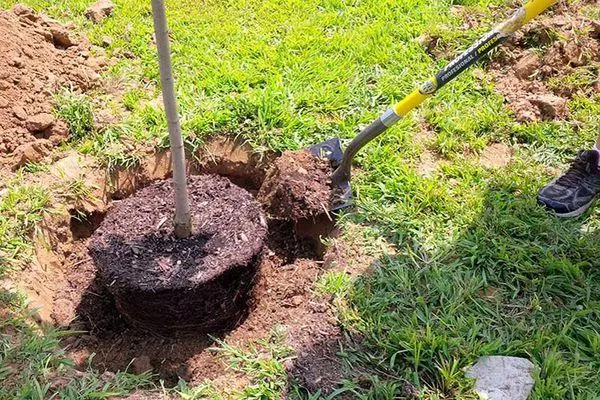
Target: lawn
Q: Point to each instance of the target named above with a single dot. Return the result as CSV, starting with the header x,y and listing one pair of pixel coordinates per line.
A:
x,y
465,262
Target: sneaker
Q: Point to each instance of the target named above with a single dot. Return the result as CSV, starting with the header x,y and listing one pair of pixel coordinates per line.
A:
x,y
572,193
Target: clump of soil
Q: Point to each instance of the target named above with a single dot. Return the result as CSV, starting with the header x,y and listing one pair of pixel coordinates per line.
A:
x,y
199,283
533,82
37,56
298,185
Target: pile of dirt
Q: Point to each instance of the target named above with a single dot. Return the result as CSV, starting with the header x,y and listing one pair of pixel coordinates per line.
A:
x,y
38,56
569,43
199,283
298,185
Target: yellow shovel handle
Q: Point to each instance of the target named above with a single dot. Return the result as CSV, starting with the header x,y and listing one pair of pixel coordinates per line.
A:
x,y
525,14
495,37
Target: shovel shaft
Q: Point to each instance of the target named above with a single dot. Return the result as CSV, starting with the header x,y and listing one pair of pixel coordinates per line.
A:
x,y
473,54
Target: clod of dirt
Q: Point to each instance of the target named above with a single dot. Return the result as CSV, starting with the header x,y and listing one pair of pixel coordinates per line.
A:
x,y
30,152
298,185
37,57
561,42
100,10
199,283
550,106
527,66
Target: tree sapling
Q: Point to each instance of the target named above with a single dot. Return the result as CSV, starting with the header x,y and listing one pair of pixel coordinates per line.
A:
x,y
182,221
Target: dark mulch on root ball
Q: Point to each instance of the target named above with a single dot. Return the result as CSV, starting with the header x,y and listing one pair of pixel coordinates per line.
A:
x,y
200,283
297,186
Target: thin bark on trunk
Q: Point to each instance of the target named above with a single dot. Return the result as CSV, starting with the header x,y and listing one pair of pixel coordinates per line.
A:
x,y
182,221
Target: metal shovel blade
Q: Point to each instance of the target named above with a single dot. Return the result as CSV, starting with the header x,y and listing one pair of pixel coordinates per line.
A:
x,y
332,150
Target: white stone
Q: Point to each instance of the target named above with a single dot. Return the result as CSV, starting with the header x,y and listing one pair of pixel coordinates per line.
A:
x,y
502,378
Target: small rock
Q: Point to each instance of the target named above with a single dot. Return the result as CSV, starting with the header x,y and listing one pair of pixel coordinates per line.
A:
x,y
317,307
550,106
63,311
30,152
60,36
99,10
527,66
39,122
560,20
106,41
496,155
502,378
97,63
59,382
4,102
141,364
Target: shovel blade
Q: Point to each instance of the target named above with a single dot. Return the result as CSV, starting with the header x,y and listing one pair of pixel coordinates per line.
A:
x,y
332,150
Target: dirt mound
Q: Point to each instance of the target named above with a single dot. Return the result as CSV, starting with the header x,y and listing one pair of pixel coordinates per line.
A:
x,y
298,185
532,69
37,57
200,282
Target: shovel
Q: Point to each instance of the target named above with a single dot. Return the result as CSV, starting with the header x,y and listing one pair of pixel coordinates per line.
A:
x,y
342,160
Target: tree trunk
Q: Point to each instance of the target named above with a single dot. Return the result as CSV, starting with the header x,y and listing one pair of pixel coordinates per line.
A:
x,y
182,221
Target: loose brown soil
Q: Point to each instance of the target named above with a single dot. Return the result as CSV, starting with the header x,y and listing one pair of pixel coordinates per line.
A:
x,y
569,43
199,283
37,57
298,185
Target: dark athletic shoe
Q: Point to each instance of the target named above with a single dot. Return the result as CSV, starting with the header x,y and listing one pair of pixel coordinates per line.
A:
x,y
572,193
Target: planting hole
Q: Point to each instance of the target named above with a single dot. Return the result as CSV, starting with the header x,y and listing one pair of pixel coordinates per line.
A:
x,y
276,290
83,224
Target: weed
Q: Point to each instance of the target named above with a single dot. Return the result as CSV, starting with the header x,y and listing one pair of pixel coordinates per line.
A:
x,y
22,208
262,364
111,148
76,110
132,99
34,168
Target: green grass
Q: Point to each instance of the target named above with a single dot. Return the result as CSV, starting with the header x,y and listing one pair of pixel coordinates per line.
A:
x,y
477,268
76,110
22,207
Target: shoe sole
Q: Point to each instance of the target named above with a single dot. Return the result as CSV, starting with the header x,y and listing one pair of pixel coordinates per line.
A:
x,y
575,213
